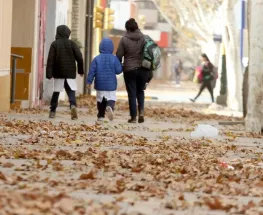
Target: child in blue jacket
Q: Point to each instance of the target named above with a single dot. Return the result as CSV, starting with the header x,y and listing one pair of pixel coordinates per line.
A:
x,y
104,69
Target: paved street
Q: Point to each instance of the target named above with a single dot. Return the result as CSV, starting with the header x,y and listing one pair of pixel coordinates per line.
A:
x,y
169,92
77,167
189,157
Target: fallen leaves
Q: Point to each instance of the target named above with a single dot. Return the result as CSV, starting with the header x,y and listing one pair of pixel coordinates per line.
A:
x,y
112,161
2,177
65,205
57,166
177,203
31,203
216,204
88,176
8,165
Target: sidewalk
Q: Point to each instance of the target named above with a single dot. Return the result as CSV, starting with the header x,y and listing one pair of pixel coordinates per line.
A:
x,y
154,168
166,91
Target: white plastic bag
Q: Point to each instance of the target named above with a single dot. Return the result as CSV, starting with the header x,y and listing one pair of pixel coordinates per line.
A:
x,y
205,131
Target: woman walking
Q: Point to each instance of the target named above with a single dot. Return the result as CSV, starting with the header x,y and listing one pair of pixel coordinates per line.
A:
x,y
207,77
136,77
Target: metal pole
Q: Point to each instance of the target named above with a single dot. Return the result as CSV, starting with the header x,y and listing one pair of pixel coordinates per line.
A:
x,y
91,10
86,47
88,41
13,85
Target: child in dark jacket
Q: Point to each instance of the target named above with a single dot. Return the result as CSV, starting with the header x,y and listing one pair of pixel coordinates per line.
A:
x,y
104,69
61,65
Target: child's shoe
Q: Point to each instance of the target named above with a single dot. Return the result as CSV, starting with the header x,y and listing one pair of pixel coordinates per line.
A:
x,y
74,113
109,113
100,121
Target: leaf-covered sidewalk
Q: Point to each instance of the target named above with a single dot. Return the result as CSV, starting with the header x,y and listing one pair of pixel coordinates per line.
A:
x,y
78,167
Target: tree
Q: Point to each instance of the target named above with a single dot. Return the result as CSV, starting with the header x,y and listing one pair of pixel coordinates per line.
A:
x,y
193,21
254,119
245,79
231,41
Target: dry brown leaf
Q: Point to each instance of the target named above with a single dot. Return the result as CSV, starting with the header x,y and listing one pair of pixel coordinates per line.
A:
x,y
57,166
250,205
8,165
2,177
88,176
216,204
65,205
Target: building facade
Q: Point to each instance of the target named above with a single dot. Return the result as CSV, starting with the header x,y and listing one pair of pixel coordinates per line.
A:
x,y
5,45
27,40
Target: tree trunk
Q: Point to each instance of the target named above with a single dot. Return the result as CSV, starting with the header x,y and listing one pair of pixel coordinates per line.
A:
x,y
246,75
245,92
234,71
254,119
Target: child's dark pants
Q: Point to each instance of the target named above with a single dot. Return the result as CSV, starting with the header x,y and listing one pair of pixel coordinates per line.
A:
x,y
102,107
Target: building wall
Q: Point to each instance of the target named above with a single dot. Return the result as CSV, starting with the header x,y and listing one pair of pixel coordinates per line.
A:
x,y
5,44
25,36
75,20
23,23
50,37
151,17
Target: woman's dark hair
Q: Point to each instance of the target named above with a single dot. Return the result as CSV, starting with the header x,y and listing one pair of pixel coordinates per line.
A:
x,y
205,56
131,25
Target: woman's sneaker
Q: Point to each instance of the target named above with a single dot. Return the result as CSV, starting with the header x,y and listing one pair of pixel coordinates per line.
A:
x,y
141,117
52,115
74,113
132,120
109,113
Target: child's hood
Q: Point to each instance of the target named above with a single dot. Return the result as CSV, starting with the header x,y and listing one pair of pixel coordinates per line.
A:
x,y
63,31
106,46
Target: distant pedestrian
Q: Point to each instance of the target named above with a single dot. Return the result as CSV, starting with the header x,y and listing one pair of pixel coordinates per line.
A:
x,y
104,69
135,76
61,65
178,70
207,77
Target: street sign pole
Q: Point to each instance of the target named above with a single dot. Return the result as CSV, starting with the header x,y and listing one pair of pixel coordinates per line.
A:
x,y
88,42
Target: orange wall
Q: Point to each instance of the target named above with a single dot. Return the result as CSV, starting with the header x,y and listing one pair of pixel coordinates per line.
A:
x,y
23,77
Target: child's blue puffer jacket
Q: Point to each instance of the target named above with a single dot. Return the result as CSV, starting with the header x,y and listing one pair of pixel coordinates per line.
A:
x,y
105,67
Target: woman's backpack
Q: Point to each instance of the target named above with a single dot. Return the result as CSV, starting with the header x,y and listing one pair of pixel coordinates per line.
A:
x,y
151,54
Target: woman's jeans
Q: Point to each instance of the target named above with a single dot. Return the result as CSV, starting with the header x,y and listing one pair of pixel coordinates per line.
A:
x,y
135,81
208,85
